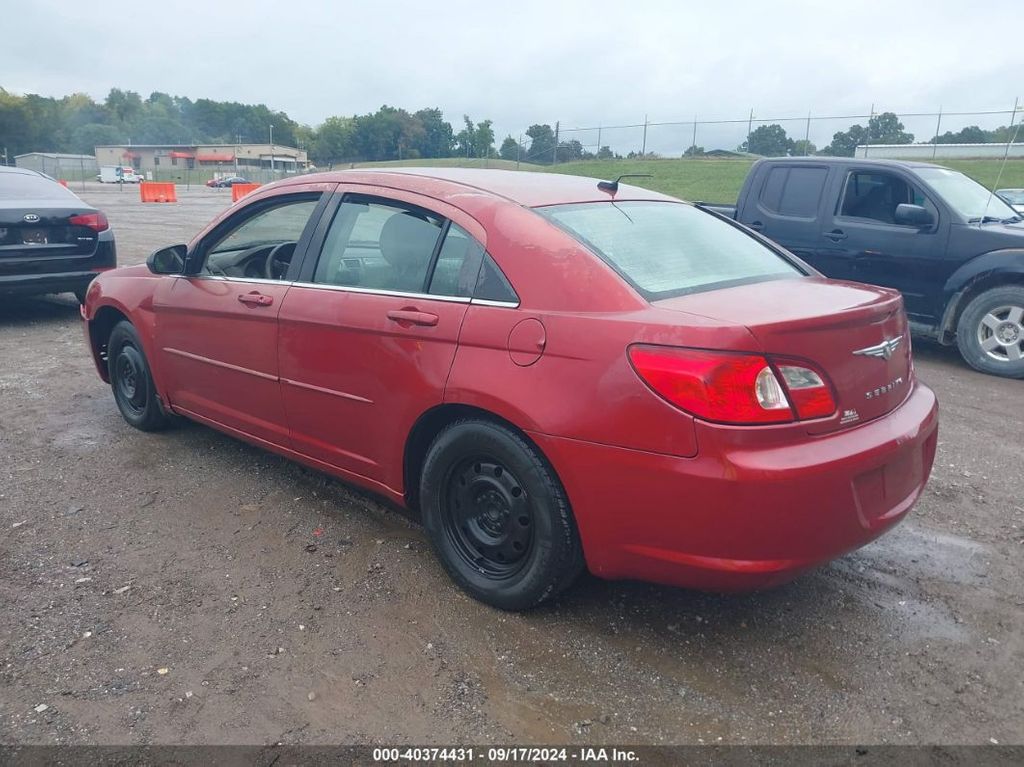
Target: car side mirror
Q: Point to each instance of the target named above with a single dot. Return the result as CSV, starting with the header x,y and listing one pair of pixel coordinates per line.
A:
x,y
912,215
169,260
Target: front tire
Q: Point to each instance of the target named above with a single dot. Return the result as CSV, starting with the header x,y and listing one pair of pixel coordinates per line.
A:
x,y
990,332
131,381
497,516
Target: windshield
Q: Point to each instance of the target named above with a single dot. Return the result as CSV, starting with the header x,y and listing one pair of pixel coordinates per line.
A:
x,y
665,249
966,196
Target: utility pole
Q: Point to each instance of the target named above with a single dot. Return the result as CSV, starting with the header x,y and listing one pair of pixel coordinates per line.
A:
x,y
807,134
519,148
554,149
750,127
643,147
935,142
271,147
694,144
598,141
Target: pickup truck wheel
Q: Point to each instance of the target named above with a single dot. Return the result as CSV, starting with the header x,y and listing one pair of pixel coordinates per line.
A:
x,y
131,381
497,516
990,333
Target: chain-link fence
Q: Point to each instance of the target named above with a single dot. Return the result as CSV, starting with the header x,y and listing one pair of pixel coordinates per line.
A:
x,y
809,132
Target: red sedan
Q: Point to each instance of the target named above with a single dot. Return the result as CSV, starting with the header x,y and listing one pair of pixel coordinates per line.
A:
x,y
556,373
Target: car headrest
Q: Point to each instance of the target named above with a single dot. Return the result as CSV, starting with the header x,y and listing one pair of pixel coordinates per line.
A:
x,y
406,240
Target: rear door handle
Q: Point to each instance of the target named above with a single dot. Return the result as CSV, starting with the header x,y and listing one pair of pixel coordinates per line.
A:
x,y
757,226
407,317
836,235
256,299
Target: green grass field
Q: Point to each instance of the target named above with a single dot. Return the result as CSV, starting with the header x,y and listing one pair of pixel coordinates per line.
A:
x,y
698,179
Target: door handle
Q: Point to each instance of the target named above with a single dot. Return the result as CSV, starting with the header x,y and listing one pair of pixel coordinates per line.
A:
x,y
255,299
757,226
836,235
407,317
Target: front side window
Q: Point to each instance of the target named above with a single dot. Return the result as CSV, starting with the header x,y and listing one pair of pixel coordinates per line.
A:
x,y
262,244
874,196
664,249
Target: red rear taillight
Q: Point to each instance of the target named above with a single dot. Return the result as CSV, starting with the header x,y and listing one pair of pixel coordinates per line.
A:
x,y
96,221
809,393
731,387
717,386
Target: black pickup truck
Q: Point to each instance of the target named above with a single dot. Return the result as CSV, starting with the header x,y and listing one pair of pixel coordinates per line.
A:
x,y
951,247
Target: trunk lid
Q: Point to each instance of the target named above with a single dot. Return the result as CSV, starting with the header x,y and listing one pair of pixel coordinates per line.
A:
x,y
856,334
42,231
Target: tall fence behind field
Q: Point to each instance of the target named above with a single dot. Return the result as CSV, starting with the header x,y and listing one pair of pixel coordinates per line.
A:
x,y
672,138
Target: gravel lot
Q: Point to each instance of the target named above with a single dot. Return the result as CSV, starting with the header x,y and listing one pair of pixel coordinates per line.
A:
x,y
187,588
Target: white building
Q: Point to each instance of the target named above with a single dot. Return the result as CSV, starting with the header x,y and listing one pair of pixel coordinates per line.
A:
x,y
927,152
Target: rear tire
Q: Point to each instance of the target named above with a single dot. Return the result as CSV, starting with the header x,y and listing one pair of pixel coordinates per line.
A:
x,y
498,517
131,381
990,332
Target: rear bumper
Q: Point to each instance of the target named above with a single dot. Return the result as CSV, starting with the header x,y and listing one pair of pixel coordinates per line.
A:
x,y
743,515
34,284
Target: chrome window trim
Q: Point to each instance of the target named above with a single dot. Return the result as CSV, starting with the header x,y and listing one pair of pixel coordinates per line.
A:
x,y
499,304
230,278
382,292
354,289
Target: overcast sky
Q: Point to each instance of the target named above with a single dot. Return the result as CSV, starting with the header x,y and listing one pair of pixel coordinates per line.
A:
x,y
523,62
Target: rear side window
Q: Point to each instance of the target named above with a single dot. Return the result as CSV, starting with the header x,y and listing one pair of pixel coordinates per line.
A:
x,y
380,246
29,186
665,249
463,268
793,191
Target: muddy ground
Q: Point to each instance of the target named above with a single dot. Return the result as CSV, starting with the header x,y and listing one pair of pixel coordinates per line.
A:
x,y
187,588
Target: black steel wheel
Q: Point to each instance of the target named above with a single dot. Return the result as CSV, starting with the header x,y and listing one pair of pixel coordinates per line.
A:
x,y
498,516
131,381
488,516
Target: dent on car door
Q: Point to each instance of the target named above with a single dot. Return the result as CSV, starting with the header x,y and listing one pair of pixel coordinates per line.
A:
x,y
217,327
369,333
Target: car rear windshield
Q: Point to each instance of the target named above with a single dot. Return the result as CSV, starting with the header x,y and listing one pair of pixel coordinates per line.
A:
x,y
666,249
28,186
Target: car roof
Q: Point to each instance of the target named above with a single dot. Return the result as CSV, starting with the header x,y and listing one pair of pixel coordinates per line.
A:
x,y
22,171
528,188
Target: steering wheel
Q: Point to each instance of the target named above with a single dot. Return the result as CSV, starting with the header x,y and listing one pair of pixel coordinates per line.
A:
x,y
276,265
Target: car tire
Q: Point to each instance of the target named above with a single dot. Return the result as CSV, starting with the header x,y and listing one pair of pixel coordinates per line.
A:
x,y
990,332
131,380
498,516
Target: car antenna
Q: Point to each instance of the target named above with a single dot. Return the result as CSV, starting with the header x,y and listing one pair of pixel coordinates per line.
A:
x,y
613,186
1009,141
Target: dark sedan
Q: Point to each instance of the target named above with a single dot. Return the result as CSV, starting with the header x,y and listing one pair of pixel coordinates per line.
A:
x,y
50,241
228,182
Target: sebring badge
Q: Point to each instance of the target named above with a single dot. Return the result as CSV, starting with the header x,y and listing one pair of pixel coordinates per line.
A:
x,y
883,350
30,218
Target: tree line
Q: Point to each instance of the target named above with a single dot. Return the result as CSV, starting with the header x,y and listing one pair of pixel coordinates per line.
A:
x,y
77,123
